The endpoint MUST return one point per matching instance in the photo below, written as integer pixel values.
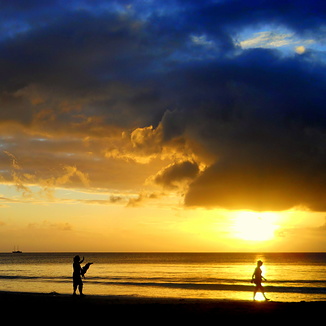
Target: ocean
(291, 277)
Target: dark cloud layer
(176, 174)
(255, 117)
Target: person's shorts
(77, 280)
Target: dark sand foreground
(57, 308)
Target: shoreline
(60, 307)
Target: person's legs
(80, 287)
(261, 289)
(263, 292)
(255, 292)
(75, 287)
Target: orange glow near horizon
(86, 220)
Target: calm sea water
(291, 276)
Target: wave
(283, 286)
(17, 277)
(217, 287)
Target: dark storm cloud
(257, 114)
(177, 173)
(301, 15)
(266, 125)
(102, 58)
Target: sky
(163, 125)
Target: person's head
(76, 259)
(259, 263)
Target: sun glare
(253, 226)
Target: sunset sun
(253, 226)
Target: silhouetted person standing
(257, 278)
(77, 281)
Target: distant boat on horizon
(17, 251)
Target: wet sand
(58, 308)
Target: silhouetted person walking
(77, 281)
(257, 278)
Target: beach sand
(58, 308)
